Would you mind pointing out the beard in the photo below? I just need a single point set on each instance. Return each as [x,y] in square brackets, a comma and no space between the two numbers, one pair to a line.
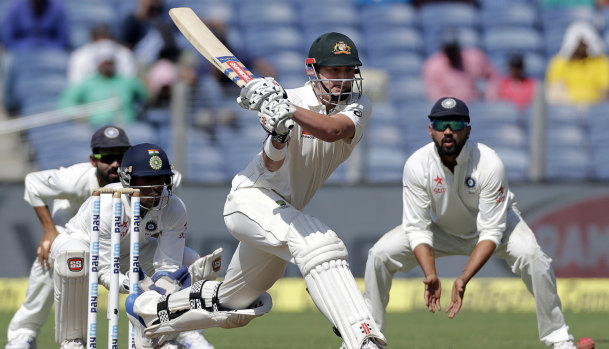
[449,150]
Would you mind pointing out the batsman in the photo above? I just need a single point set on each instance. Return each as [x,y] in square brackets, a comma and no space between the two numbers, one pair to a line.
[311,131]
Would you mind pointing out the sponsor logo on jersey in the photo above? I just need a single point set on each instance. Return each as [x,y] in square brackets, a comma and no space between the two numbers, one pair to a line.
[440,188]
[500,195]
[76,264]
[357,113]
[305,134]
[340,48]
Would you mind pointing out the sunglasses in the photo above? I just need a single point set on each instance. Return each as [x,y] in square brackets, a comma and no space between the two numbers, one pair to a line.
[455,125]
[109,158]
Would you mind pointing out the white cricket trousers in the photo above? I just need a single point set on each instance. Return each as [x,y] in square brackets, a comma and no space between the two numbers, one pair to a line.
[518,248]
[32,314]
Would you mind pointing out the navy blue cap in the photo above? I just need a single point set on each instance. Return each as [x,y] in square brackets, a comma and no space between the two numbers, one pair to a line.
[449,108]
[146,159]
[109,137]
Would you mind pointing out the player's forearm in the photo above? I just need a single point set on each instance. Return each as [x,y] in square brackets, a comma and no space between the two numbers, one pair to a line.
[426,258]
[326,128]
[46,221]
[481,254]
[278,151]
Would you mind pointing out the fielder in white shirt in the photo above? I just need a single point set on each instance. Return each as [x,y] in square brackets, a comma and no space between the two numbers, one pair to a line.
[68,188]
[457,202]
[311,133]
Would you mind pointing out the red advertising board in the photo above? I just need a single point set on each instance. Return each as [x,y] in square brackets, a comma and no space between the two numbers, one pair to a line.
[576,236]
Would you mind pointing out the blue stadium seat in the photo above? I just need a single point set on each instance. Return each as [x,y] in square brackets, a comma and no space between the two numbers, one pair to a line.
[379,17]
[216,10]
[256,14]
[83,14]
[516,162]
[398,64]
[393,40]
[407,89]
[270,40]
[385,164]
[535,64]
[341,14]
[449,15]
[519,14]
[504,40]
[467,37]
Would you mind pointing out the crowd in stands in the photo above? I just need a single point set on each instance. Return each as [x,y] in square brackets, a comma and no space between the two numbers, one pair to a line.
[503,57]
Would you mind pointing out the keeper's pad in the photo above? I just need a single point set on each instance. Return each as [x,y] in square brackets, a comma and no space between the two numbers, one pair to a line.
[322,259]
[193,308]
[71,290]
[206,267]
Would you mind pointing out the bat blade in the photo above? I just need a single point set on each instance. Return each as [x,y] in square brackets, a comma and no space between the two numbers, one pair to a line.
[209,46]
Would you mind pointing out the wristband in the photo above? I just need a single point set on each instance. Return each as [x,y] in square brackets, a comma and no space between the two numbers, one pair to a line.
[272,152]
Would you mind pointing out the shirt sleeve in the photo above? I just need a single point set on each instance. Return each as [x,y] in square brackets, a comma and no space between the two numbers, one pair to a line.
[172,240]
[493,205]
[359,113]
[416,217]
[50,184]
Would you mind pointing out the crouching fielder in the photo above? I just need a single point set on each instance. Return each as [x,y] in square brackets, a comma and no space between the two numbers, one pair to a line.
[457,202]
[311,132]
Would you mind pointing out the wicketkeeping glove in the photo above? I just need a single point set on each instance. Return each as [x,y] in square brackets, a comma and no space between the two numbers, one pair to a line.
[276,119]
[256,91]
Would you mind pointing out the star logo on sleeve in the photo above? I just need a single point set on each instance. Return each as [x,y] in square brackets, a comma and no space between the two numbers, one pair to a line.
[438,180]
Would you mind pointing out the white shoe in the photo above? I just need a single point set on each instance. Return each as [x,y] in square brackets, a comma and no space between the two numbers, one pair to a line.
[193,340]
[73,344]
[564,345]
[22,341]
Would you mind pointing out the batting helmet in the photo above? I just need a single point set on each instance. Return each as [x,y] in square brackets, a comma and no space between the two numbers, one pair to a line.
[334,50]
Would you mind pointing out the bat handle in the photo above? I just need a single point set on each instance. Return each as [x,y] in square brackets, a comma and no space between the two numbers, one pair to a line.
[289,124]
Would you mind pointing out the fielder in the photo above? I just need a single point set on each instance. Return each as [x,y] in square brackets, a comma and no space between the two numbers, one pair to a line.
[162,243]
[457,202]
[312,130]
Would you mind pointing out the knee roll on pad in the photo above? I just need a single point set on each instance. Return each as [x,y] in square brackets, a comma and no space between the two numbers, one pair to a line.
[71,282]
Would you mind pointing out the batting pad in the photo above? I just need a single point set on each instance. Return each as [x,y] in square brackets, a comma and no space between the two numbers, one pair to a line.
[71,292]
[321,258]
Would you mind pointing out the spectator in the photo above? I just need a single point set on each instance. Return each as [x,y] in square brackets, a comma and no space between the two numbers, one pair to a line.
[106,84]
[148,31]
[458,72]
[82,61]
[35,24]
[579,73]
[516,87]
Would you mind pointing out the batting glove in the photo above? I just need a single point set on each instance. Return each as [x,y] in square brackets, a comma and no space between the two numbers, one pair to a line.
[259,90]
[276,119]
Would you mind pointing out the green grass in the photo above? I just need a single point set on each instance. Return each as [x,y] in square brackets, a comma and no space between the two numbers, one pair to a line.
[416,330]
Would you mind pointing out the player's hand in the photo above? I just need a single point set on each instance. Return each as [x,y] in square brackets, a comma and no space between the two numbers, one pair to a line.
[44,248]
[276,119]
[456,299]
[433,291]
[258,91]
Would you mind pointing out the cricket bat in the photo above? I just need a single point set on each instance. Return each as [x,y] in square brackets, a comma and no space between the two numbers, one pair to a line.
[208,45]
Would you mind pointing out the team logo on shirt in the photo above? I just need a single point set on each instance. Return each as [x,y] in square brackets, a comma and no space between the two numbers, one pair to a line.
[440,187]
[151,226]
[470,182]
[281,203]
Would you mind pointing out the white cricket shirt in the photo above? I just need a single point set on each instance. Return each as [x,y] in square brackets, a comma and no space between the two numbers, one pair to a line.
[471,202]
[309,161]
[168,225]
